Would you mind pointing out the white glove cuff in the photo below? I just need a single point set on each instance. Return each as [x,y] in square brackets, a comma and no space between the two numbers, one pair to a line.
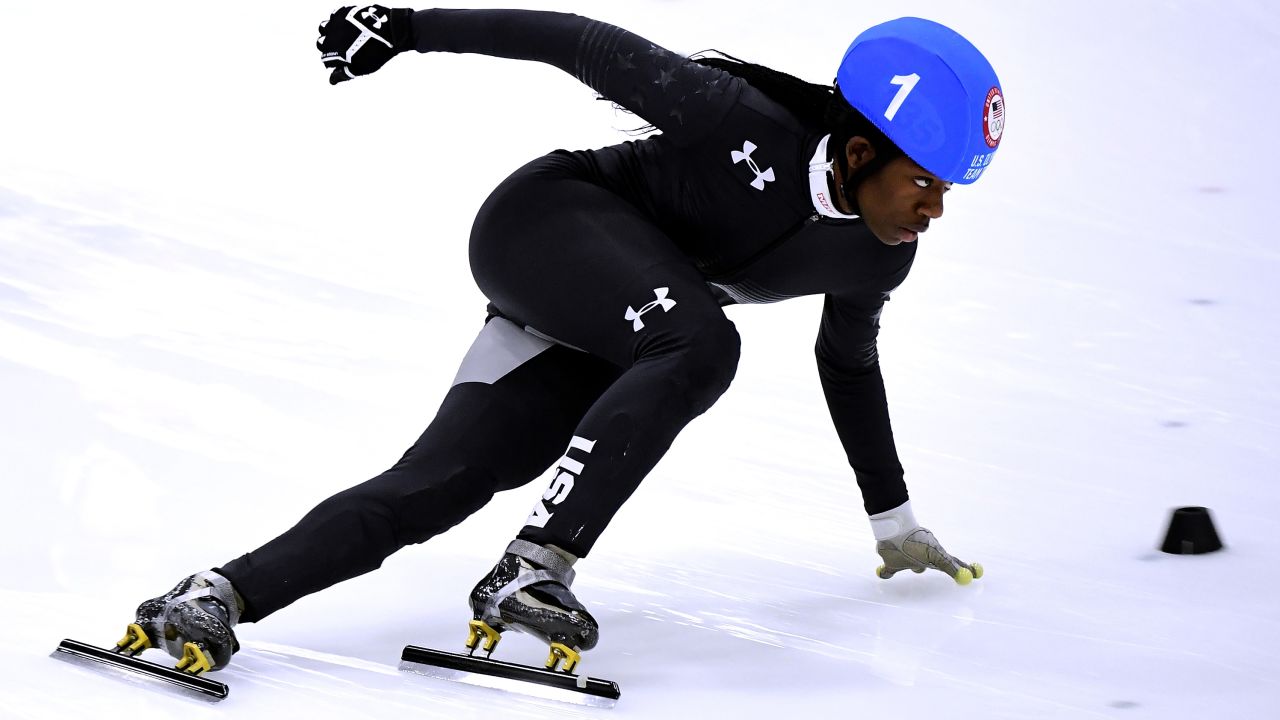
[893,522]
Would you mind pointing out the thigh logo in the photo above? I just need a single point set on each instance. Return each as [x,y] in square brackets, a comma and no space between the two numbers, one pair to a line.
[568,471]
[762,176]
[662,301]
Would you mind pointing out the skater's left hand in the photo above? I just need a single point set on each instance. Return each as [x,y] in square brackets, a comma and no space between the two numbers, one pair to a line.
[904,545]
[357,40]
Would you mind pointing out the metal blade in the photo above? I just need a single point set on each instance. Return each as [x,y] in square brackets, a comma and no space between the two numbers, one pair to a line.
[483,672]
[99,659]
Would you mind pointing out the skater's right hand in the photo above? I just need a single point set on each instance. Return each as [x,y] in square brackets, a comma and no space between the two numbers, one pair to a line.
[357,40]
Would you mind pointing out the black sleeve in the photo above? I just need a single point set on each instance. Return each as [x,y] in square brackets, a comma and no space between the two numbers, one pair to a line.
[680,97]
[849,368]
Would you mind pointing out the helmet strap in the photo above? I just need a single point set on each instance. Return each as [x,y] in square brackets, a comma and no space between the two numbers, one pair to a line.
[850,195]
[847,189]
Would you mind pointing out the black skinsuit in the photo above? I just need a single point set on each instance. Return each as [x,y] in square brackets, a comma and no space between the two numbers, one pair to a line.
[625,256]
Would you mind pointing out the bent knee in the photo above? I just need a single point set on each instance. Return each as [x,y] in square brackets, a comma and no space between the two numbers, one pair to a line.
[704,362]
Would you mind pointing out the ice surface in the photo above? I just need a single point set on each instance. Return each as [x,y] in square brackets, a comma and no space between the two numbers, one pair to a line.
[228,290]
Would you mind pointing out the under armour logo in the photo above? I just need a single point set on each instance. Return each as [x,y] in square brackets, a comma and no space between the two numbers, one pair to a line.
[634,315]
[749,147]
[371,14]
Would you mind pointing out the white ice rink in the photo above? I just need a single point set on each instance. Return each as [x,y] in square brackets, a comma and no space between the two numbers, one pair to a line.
[228,290]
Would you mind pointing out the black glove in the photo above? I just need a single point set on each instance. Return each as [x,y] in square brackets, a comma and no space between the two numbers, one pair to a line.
[357,40]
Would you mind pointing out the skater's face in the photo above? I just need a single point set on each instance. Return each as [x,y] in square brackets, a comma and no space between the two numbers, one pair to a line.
[900,200]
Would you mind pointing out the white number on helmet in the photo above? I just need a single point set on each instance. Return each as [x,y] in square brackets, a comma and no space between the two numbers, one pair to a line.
[908,83]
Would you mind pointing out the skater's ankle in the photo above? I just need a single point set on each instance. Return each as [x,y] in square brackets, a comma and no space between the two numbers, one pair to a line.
[543,555]
[568,556]
[241,605]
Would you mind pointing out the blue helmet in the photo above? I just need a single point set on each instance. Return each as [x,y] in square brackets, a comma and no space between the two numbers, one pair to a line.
[930,91]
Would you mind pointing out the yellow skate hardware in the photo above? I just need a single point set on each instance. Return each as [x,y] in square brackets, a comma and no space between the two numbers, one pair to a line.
[194,660]
[562,653]
[478,629]
[135,640]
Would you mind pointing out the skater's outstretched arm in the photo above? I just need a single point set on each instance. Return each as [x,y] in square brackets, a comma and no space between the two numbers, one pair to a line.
[849,367]
[682,98]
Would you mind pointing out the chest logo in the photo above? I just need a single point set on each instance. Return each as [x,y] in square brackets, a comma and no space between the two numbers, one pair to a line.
[744,155]
[662,301]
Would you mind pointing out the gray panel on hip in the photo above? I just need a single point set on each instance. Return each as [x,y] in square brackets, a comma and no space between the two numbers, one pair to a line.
[501,346]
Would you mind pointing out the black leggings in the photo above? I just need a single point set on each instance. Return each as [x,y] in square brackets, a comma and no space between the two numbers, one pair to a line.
[643,348]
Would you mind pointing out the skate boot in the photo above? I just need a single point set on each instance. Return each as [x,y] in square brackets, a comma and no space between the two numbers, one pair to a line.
[528,590]
[192,622]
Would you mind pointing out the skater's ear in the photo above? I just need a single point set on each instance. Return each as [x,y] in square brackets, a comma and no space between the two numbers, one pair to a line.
[858,153]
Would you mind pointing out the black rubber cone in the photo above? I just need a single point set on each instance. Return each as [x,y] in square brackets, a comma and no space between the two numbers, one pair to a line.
[1191,532]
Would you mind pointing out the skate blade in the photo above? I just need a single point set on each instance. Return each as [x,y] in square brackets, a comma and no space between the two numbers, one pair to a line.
[523,679]
[133,668]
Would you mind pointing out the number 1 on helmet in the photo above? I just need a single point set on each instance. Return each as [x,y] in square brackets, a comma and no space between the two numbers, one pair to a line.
[908,83]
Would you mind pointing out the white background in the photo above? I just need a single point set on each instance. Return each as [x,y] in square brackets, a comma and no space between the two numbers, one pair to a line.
[228,290]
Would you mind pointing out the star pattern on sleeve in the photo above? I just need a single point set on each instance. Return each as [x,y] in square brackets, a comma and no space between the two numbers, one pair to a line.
[677,111]
[624,62]
[665,78]
[710,89]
